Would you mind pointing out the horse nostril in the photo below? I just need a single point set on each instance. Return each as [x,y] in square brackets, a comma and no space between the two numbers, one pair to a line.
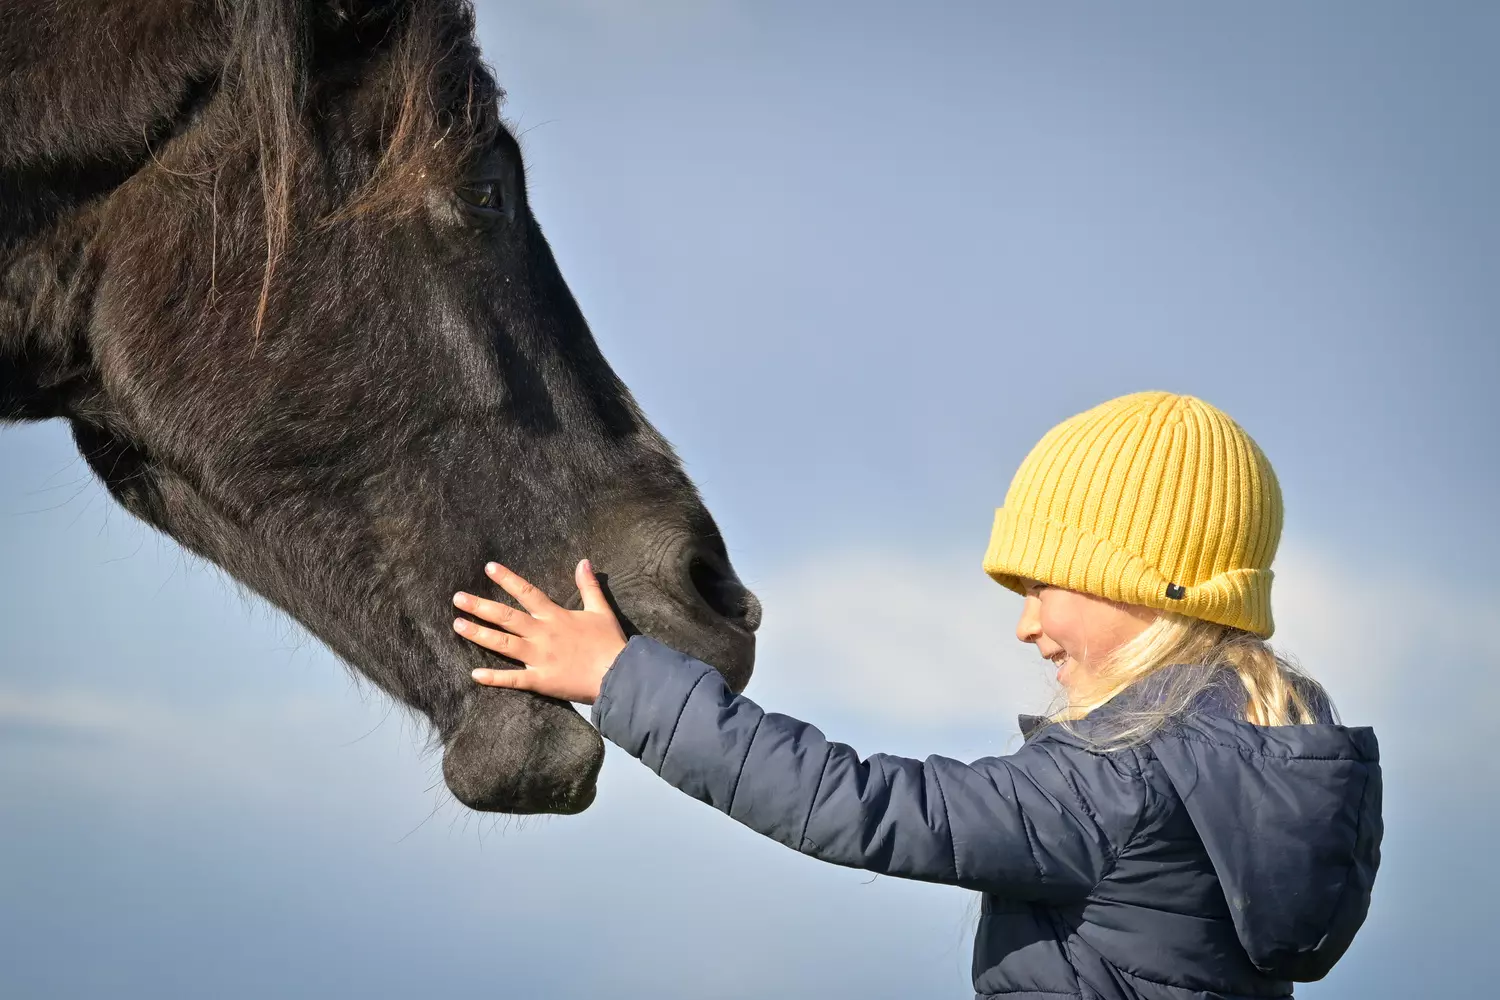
[723,593]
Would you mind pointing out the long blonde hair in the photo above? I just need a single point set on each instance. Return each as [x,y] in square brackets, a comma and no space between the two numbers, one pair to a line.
[1275,691]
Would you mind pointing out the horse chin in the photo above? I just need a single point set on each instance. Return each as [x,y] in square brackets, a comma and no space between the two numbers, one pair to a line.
[522,754]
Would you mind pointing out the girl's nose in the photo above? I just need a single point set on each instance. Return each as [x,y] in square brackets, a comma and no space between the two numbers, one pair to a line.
[1030,625]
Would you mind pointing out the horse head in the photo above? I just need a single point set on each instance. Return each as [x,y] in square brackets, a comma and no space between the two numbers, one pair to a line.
[274,262]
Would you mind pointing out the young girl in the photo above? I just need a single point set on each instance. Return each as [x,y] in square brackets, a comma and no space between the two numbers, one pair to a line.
[1191,823]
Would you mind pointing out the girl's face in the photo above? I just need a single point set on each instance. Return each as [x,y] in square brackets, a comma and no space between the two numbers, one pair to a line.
[1077,631]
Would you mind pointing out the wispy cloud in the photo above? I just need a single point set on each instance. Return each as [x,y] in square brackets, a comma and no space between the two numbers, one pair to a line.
[897,636]
[920,639]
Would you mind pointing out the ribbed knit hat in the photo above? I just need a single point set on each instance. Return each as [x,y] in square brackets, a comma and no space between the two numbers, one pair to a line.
[1152,499]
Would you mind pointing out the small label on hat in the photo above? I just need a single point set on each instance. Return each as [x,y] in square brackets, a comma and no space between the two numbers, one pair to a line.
[1176,591]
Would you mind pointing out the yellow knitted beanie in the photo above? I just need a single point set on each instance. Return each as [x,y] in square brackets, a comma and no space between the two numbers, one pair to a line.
[1152,499]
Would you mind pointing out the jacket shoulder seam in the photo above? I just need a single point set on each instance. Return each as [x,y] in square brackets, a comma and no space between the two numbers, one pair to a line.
[1112,852]
[1148,793]
[1117,850]
[1077,797]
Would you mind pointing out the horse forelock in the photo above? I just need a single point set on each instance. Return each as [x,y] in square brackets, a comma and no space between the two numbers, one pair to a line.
[438,107]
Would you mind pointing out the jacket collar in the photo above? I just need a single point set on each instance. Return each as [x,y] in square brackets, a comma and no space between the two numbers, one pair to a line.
[1031,724]
[1223,697]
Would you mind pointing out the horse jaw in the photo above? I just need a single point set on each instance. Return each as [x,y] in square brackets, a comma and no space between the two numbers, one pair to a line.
[519,753]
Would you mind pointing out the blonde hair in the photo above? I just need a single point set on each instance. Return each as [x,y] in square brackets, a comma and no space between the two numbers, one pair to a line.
[1203,654]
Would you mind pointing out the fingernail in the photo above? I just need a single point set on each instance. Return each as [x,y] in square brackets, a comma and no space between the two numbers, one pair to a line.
[588,567]
[479,673]
[460,598]
[461,625]
[491,567]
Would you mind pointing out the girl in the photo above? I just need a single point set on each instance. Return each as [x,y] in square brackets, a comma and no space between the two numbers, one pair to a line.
[1190,823]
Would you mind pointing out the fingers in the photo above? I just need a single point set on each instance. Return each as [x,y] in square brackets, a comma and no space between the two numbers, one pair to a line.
[496,613]
[517,680]
[588,587]
[526,594]
[503,643]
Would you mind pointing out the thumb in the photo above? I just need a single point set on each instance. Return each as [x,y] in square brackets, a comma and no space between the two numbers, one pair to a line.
[589,589]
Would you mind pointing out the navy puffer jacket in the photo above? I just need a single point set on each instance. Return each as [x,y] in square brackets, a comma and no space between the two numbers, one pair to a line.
[1221,860]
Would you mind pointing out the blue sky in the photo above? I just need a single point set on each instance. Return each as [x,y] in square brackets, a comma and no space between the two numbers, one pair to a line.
[853,260]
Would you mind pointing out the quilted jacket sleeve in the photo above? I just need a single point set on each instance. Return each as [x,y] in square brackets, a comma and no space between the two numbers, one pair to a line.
[1043,824]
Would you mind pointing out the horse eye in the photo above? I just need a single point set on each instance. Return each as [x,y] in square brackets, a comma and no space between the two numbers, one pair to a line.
[483,196]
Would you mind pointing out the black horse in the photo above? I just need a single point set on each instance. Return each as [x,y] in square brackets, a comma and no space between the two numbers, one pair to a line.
[273,261]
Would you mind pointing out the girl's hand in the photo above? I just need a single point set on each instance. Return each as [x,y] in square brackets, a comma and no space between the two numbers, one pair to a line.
[567,653]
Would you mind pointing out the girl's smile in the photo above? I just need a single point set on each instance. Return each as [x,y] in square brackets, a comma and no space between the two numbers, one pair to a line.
[1077,632]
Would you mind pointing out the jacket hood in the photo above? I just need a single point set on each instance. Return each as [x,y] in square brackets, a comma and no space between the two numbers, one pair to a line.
[1290,817]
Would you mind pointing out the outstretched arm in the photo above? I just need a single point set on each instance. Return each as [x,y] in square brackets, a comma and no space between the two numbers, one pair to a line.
[1016,825]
